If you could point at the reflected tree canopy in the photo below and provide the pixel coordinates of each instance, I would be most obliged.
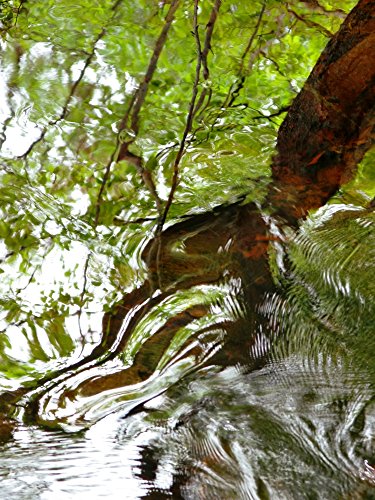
(187, 235)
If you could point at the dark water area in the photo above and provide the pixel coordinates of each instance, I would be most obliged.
(222, 347)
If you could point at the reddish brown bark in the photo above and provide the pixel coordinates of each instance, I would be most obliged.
(330, 124)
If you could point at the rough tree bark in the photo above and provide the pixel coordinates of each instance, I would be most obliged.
(330, 124)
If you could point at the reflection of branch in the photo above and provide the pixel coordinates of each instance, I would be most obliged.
(277, 113)
(311, 24)
(189, 122)
(13, 323)
(83, 292)
(73, 89)
(243, 73)
(137, 161)
(65, 109)
(207, 42)
(206, 48)
(6, 122)
(12, 83)
(140, 220)
(238, 86)
(315, 5)
(251, 40)
(19, 10)
(275, 63)
(141, 93)
(37, 266)
(22, 289)
(121, 151)
(139, 97)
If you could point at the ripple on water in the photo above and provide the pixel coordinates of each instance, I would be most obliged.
(47, 465)
(287, 431)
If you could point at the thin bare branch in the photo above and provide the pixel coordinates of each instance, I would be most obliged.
(189, 121)
(310, 23)
(132, 113)
(140, 95)
(316, 6)
(207, 42)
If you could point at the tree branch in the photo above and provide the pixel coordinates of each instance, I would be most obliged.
(132, 113)
(189, 122)
(331, 123)
(310, 24)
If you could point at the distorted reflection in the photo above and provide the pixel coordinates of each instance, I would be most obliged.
(187, 260)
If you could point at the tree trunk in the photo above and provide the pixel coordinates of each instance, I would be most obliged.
(330, 124)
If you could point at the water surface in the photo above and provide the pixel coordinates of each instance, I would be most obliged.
(226, 353)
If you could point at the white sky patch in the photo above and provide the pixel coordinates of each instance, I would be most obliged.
(19, 137)
(131, 84)
(81, 202)
(77, 68)
(52, 227)
(40, 49)
(53, 270)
